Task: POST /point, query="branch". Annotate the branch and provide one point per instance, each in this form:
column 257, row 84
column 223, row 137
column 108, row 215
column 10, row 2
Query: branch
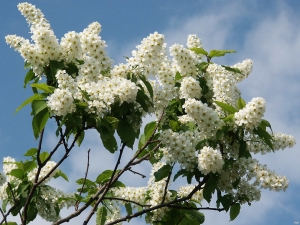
column 4, row 217
column 15, row 200
column 107, row 187
column 168, row 204
column 143, row 176
column 126, row 200
column 167, row 184
column 86, row 173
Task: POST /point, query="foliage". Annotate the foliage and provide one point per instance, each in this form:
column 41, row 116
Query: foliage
column 203, row 132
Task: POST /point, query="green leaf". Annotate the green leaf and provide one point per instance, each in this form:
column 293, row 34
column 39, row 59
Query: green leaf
column 44, row 87
column 29, row 165
column 142, row 141
column 126, row 133
column 241, row 103
column 18, row 173
column 242, row 148
column 232, row 69
column 264, row 136
column 12, row 223
column 178, row 76
column 109, row 142
column 194, row 215
column 226, row 201
column 101, row 216
column 199, row 51
column 80, row 138
column 31, row 99
column 118, row 184
column 148, row 85
column 27, row 65
column 104, row 176
column 229, row 118
column 264, row 124
column 181, row 172
column 32, row 211
column 86, row 182
column 141, row 98
column 128, row 208
column 174, row 125
column 234, row 211
column 59, row 173
column 44, row 156
column 29, row 76
column 37, row 106
column 39, row 122
column 31, row 152
column 226, row 107
column 210, row 187
column 218, row 53
column 162, row 172
column 202, row 66
column 149, row 129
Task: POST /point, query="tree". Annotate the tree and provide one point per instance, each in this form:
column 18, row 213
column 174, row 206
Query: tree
column 204, row 132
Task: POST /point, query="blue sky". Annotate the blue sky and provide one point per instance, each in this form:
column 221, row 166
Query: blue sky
column 266, row 31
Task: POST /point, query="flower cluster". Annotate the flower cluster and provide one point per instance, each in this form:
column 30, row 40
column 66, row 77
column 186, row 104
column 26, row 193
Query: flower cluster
column 210, row 160
column 180, row 147
column 184, row 60
column 190, row 88
column 251, row 115
column 206, row 118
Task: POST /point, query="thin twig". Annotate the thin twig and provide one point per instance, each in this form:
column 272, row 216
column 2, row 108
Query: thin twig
column 4, row 217
column 142, row 175
column 167, row 204
column 107, row 187
column 15, row 200
column 86, row 173
column 126, row 200
column 167, row 184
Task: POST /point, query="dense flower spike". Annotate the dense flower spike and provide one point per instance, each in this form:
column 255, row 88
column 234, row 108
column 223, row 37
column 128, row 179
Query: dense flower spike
column 210, row 160
column 252, row 114
column 204, row 132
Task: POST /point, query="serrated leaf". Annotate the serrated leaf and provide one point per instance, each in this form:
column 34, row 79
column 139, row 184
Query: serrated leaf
column 59, row 173
column 194, row 215
column 141, row 98
column 202, row 66
column 31, row 152
column 44, row 87
column 29, row 165
column 142, row 141
column 101, row 216
column 39, row 122
column 264, row 136
column 148, row 85
column 104, row 176
column 80, row 138
column 29, row 76
column 128, row 208
column 149, row 129
column 226, row 107
column 242, row 148
column 31, row 99
column 264, row 123
column 218, row 53
column 44, row 156
column 27, row 65
column 178, row 76
column 37, row 106
column 126, row 133
column 234, row 211
column 86, row 181
column 241, row 103
column 118, row 184
column 18, row 173
column 181, row 172
column 229, row 118
column 199, row 51
column 110, row 143
column 12, row 223
column 232, row 69
column 226, row 201
column 163, row 172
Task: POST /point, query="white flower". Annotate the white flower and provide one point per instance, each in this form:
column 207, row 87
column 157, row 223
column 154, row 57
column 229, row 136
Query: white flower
column 210, row 160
